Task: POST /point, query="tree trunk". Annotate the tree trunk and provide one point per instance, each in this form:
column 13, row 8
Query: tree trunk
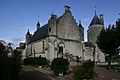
column 109, row 62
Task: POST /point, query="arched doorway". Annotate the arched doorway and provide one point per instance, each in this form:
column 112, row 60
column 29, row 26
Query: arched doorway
column 61, row 47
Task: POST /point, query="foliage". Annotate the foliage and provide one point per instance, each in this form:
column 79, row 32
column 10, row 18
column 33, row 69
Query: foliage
column 108, row 41
column 2, row 49
column 37, row 61
column 59, row 65
column 85, row 71
column 116, row 58
column 9, row 66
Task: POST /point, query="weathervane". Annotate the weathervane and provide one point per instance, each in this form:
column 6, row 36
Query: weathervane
column 38, row 18
column 95, row 10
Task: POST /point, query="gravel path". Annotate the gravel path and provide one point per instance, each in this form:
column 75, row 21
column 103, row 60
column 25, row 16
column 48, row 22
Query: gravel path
column 104, row 74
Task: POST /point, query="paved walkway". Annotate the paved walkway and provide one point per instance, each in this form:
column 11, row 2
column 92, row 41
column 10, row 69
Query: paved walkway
column 29, row 73
column 104, row 74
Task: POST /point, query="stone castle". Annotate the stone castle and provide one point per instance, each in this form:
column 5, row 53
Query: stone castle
column 64, row 37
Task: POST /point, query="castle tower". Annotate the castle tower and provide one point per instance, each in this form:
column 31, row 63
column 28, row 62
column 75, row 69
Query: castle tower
column 96, row 25
column 94, row 28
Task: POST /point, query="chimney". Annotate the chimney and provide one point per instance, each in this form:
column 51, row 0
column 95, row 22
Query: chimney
column 67, row 9
column 101, row 18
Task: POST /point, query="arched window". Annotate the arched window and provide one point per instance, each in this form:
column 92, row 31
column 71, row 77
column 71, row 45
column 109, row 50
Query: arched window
column 61, row 46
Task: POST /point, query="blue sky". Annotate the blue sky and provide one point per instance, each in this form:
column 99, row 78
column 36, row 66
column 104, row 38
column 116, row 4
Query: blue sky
column 16, row 16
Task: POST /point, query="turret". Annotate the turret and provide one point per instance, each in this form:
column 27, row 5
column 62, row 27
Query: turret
column 28, row 37
column 38, row 25
column 101, row 18
column 81, row 31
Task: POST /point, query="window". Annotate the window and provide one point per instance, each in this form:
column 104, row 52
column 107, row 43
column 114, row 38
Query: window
column 60, row 49
column 49, row 29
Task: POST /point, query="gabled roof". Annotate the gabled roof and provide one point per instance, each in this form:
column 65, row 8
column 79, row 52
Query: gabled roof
column 95, row 21
column 40, row 33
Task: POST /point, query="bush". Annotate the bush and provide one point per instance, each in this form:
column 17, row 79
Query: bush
column 59, row 65
column 85, row 71
column 37, row 61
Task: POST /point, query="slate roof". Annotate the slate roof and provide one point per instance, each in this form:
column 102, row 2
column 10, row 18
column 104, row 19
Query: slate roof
column 95, row 20
column 40, row 33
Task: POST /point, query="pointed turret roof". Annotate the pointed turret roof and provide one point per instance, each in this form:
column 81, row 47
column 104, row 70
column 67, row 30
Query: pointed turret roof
column 28, row 33
column 38, row 24
column 95, row 21
column 80, row 25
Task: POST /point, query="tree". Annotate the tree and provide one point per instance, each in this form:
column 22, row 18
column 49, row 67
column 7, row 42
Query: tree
column 106, row 42
column 9, row 66
column 118, row 35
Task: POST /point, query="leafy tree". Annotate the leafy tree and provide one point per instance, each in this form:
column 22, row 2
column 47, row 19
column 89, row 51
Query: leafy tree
column 118, row 35
column 106, row 42
column 9, row 66
column 2, row 48
column 59, row 65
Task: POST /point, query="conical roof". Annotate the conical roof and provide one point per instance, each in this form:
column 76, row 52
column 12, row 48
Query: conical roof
column 28, row 33
column 95, row 21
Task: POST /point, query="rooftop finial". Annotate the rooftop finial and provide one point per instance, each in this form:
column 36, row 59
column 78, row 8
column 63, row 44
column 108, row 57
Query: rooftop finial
column 95, row 10
column 28, row 29
column 38, row 18
column 79, row 21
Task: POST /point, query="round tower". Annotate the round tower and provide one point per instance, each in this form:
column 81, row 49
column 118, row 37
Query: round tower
column 94, row 28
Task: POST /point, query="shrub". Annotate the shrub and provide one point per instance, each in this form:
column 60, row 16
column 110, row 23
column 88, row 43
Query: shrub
column 37, row 61
column 85, row 71
column 59, row 65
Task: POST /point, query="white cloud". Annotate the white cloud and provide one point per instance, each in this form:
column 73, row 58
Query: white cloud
column 15, row 42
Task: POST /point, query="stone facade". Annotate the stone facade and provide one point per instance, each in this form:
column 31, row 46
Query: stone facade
column 60, row 37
